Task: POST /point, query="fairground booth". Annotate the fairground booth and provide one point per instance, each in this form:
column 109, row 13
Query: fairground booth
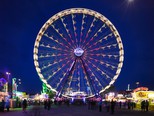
column 143, row 93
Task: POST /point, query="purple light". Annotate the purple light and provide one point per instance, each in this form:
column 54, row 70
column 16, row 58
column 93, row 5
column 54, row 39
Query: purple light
column 3, row 81
column 8, row 73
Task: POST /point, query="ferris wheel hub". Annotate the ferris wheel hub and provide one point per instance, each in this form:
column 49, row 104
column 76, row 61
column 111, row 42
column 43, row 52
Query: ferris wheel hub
column 78, row 51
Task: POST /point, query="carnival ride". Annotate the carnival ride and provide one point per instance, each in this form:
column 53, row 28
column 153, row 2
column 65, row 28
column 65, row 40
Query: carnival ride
column 78, row 50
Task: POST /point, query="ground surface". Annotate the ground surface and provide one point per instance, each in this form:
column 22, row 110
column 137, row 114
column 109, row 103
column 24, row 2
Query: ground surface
column 73, row 111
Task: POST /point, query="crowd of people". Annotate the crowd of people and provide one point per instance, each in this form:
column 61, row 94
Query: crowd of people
column 110, row 106
column 92, row 104
column 145, row 105
column 5, row 105
column 47, row 104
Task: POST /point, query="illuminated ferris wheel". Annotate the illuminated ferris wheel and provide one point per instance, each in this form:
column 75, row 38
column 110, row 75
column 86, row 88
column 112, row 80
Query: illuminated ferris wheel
column 78, row 50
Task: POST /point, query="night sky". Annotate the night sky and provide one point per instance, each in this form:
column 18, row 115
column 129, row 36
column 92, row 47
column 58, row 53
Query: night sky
column 21, row 20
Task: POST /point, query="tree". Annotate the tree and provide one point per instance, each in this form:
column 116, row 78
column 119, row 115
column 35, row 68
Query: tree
column 48, row 91
column 50, row 94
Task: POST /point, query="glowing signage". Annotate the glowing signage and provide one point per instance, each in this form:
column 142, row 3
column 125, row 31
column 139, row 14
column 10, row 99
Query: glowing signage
column 141, row 89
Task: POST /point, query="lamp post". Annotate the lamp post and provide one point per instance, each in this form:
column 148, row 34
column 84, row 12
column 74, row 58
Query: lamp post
column 18, row 83
column 137, row 83
column 8, row 81
column 15, row 83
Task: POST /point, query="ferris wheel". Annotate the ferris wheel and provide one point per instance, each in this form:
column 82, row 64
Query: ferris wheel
column 78, row 50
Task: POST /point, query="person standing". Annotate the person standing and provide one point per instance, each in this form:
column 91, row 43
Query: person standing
column 100, row 105
column 24, row 105
column 49, row 104
column 147, row 105
column 7, row 105
column 143, row 105
column 89, row 104
column 120, row 104
column 107, row 104
column 45, row 104
column 3, row 105
column 112, row 106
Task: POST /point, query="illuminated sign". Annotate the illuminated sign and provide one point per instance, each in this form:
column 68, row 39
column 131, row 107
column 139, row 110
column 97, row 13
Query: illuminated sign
column 142, row 94
column 141, row 89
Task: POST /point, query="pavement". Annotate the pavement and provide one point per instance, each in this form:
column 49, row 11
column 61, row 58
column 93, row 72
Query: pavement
column 73, row 111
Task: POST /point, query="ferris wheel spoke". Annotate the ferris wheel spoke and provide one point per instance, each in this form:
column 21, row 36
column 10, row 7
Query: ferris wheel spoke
column 65, row 77
column 64, row 32
column 105, row 55
column 58, row 85
column 61, row 35
column 54, row 63
column 109, row 50
column 93, row 76
column 55, row 79
column 69, row 27
column 100, row 40
column 75, row 81
column 67, row 31
column 76, row 77
column 90, row 80
column 53, row 73
column 50, row 58
column 58, row 70
column 108, row 46
column 89, row 91
column 58, row 51
column 82, row 29
column 95, row 35
column 82, row 77
column 85, row 28
column 81, row 33
column 49, row 48
column 94, row 31
column 70, row 80
column 47, row 65
column 56, row 41
column 102, row 73
column 47, row 73
column 74, row 28
column 88, row 30
column 104, row 62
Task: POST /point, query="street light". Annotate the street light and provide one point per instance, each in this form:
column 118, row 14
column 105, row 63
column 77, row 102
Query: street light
column 130, row 1
column 137, row 83
column 15, row 83
column 18, row 83
column 8, row 79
